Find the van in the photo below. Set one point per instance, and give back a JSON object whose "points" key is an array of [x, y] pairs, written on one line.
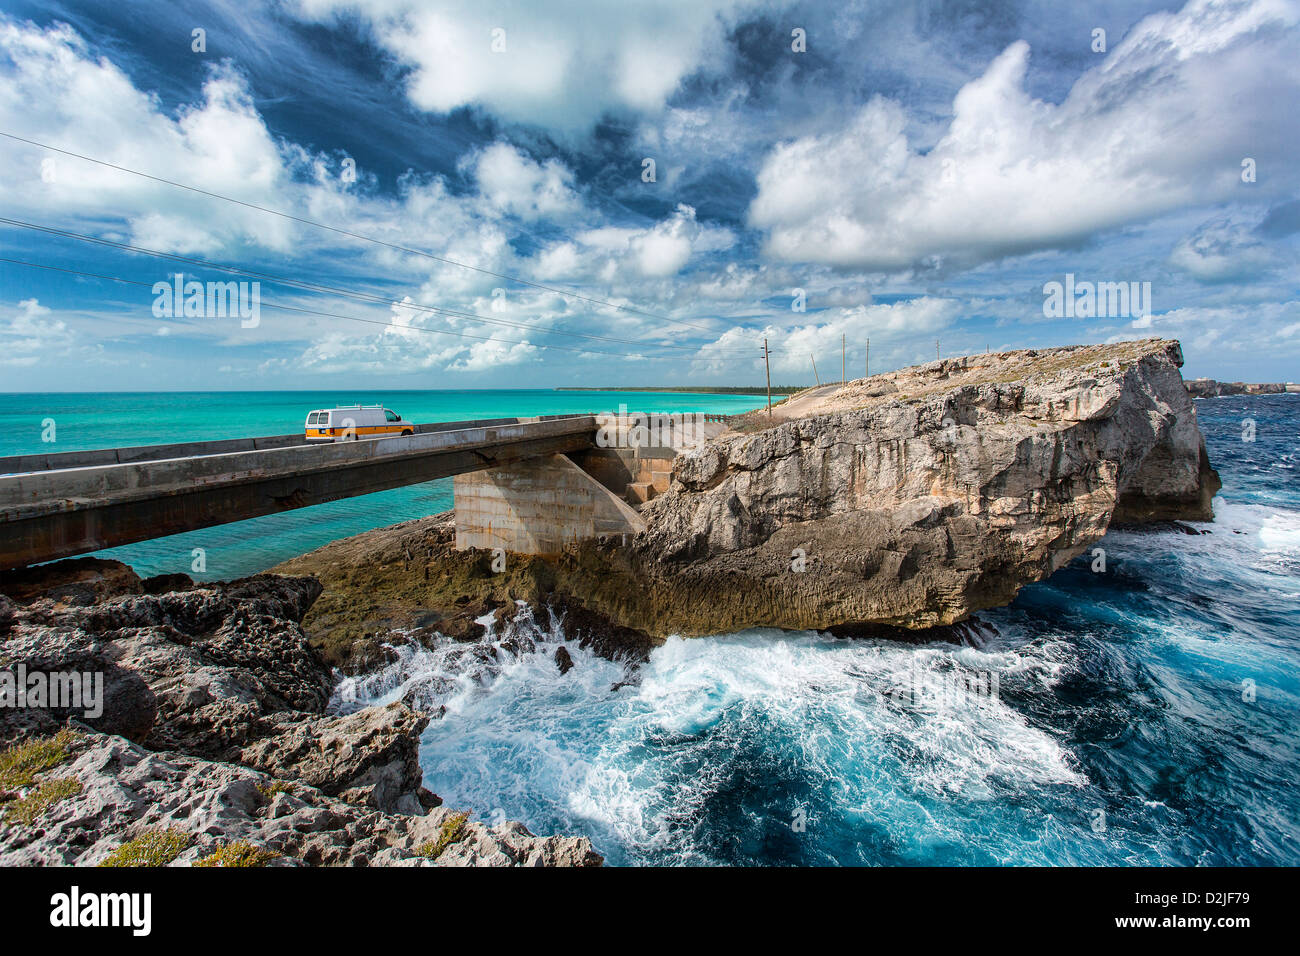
{"points": [[352, 422]]}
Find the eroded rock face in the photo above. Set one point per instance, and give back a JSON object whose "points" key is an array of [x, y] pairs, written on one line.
{"points": [[907, 500], [372, 756], [213, 721], [1209, 388], [127, 789], [196, 670], [916, 498]]}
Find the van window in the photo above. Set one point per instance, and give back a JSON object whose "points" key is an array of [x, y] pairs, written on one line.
{"points": [[391, 415]]}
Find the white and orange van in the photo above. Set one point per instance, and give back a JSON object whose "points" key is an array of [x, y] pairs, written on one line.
{"points": [[353, 422]]}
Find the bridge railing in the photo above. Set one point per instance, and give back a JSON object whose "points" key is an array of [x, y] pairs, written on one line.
{"points": [[51, 461], [71, 489]]}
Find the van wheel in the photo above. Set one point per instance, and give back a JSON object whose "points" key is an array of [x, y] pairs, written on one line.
{"points": [[407, 431]]}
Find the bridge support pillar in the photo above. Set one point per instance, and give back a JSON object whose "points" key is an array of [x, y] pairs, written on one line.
{"points": [[539, 506]]}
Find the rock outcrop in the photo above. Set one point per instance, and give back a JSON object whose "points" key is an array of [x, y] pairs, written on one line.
{"points": [[906, 500], [127, 791], [916, 498], [208, 694], [1209, 388]]}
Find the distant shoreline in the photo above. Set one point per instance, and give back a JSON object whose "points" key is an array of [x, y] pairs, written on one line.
{"points": [[696, 390]]}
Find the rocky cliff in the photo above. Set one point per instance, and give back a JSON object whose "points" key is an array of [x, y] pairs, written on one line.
{"points": [[1209, 388], [916, 498], [211, 732], [906, 500]]}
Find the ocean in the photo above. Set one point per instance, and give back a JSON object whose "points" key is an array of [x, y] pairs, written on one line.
{"points": [[1146, 714], [119, 419]]}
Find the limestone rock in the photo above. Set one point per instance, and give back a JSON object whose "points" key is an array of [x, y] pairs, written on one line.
{"points": [[213, 723], [195, 670], [126, 789], [911, 499], [374, 750]]}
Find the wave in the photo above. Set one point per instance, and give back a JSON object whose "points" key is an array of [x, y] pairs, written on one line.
{"points": [[1144, 715]]}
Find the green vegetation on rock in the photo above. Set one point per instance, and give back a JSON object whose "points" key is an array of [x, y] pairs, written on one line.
{"points": [[20, 763], [269, 790], [453, 831], [46, 795], [240, 853], [156, 847]]}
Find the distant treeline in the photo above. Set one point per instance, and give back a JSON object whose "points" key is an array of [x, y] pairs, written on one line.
{"points": [[702, 389]]}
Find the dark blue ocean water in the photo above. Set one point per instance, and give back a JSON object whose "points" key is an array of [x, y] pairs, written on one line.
{"points": [[1144, 715]]}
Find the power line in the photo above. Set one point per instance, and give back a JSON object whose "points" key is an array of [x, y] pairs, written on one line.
{"points": [[329, 290], [355, 235], [332, 315]]}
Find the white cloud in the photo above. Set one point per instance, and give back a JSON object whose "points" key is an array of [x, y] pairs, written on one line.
{"points": [[1258, 330], [895, 329], [54, 91], [1221, 251], [30, 335], [1162, 122], [563, 64], [513, 182], [663, 249]]}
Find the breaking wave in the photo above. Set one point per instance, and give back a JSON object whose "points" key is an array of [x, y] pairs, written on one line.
{"points": [[1141, 716]]}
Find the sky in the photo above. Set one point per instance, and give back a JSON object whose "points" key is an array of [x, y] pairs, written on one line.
{"points": [[489, 194]]}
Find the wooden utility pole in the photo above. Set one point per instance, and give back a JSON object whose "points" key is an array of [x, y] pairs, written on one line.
{"points": [[844, 369], [815, 375], [868, 368], [767, 366]]}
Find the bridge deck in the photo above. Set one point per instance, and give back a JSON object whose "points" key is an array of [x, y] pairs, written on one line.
{"points": [[58, 505]]}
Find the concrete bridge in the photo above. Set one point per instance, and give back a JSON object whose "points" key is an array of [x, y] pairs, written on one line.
{"points": [[531, 485]]}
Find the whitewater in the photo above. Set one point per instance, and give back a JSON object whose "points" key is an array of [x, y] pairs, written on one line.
{"points": [[1143, 715]]}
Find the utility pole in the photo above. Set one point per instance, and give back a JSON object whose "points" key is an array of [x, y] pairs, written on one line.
{"points": [[815, 375], [868, 368], [767, 366], [844, 369]]}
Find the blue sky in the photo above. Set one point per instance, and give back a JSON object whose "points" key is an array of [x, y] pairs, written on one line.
{"points": [[921, 171]]}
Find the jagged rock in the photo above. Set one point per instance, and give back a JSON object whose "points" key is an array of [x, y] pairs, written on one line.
{"points": [[1209, 388], [218, 687], [195, 671], [978, 476], [126, 789], [563, 660], [598, 633], [127, 704], [79, 581], [375, 750], [511, 844], [464, 625], [8, 615], [166, 583]]}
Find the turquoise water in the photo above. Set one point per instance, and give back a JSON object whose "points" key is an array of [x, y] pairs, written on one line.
{"points": [[114, 419]]}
